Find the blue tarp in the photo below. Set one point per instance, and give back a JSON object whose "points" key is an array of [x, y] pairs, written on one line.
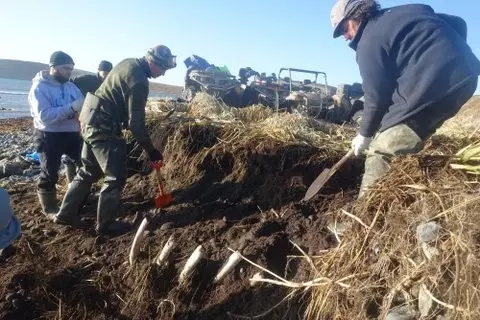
{"points": [[195, 62]]}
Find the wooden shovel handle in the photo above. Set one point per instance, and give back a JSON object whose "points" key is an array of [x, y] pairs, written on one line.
{"points": [[340, 163]]}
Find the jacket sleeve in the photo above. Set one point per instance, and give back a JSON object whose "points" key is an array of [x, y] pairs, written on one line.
{"points": [[376, 71], [42, 109], [457, 23], [136, 102]]}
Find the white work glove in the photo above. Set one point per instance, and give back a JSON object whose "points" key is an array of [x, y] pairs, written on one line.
{"points": [[360, 143], [77, 105]]}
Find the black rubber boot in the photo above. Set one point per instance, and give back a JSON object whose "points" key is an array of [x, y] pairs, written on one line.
{"points": [[72, 202], [107, 212], [114, 228]]}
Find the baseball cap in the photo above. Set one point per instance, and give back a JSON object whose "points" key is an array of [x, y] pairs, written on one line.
{"points": [[340, 12]]}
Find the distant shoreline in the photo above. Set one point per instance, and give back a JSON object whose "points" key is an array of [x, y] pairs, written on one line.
{"points": [[26, 70]]}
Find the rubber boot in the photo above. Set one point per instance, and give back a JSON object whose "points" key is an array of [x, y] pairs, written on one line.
{"points": [[72, 202], [48, 201], [70, 171], [107, 212]]}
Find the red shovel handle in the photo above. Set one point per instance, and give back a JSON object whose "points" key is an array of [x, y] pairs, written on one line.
{"points": [[157, 164]]}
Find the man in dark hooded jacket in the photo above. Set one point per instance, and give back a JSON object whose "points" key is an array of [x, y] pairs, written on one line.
{"points": [[417, 71], [86, 83], [91, 82], [118, 103]]}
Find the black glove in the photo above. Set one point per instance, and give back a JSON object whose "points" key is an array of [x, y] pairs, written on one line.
{"points": [[155, 155]]}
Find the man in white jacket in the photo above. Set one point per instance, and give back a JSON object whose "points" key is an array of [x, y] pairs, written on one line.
{"points": [[54, 105]]}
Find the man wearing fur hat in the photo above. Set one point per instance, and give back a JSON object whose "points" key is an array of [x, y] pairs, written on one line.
{"points": [[54, 105], [118, 103], [417, 71]]}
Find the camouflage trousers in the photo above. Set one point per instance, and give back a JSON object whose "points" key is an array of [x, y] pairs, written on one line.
{"points": [[395, 141]]}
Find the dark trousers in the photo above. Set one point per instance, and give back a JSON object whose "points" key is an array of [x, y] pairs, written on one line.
{"points": [[50, 147]]}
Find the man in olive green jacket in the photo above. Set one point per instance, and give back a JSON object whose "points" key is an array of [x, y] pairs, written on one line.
{"points": [[117, 104]]}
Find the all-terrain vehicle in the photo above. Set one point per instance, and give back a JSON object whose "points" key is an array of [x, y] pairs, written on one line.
{"points": [[309, 92], [263, 90], [313, 96], [348, 104], [216, 81]]}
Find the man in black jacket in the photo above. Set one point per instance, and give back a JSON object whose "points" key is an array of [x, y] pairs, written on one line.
{"points": [[90, 82], [118, 103], [417, 72], [86, 83]]}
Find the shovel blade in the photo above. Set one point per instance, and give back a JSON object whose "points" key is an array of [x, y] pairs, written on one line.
{"points": [[326, 174], [317, 184], [163, 200]]}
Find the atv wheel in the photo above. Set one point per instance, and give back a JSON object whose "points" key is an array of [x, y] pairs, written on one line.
{"points": [[188, 94]]}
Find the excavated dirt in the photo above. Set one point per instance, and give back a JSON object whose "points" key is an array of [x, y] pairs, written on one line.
{"points": [[57, 272]]}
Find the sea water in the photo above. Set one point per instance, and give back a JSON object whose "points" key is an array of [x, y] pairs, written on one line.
{"points": [[14, 98]]}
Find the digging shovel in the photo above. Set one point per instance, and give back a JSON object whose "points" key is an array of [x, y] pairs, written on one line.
{"points": [[323, 177], [163, 199]]}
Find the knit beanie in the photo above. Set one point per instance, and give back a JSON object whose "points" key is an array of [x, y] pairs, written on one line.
{"points": [[105, 66], [59, 57]]}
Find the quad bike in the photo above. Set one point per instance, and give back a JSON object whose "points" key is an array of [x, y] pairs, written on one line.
{"points": [[308, 97], [348, 104], [343, 104], [216, 81], [263, 90]]}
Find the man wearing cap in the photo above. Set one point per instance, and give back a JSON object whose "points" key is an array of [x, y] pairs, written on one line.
{"points": [[89, 82], [118, 103], [54, 104], [9, 224], [417, 71]]}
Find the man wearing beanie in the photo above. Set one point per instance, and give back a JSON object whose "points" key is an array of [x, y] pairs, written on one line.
{"points": [[118, 103], [89, 82], [86, 83], [417, 71], [54, 105]]}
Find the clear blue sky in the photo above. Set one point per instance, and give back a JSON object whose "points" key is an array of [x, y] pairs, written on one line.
{"points": [[262, 34]]}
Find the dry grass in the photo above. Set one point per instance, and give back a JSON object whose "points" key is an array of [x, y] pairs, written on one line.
{"points": [[380, 251], [466, 122], [209, 130], [383, 256], [378, 263]]}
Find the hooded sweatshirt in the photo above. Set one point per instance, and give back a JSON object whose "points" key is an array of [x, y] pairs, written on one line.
{"points": [[50, 104]]}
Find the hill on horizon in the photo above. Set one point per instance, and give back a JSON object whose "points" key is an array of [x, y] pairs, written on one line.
{"points": [[26, 70]]}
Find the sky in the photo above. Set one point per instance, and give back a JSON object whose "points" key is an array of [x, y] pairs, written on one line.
{"points": [[262, 34]]}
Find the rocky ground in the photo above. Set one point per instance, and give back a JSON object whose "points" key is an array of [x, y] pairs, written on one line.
{"points": [[16, 141]]}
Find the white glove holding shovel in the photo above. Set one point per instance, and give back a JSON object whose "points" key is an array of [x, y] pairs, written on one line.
{"points": [[360, 144]]}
